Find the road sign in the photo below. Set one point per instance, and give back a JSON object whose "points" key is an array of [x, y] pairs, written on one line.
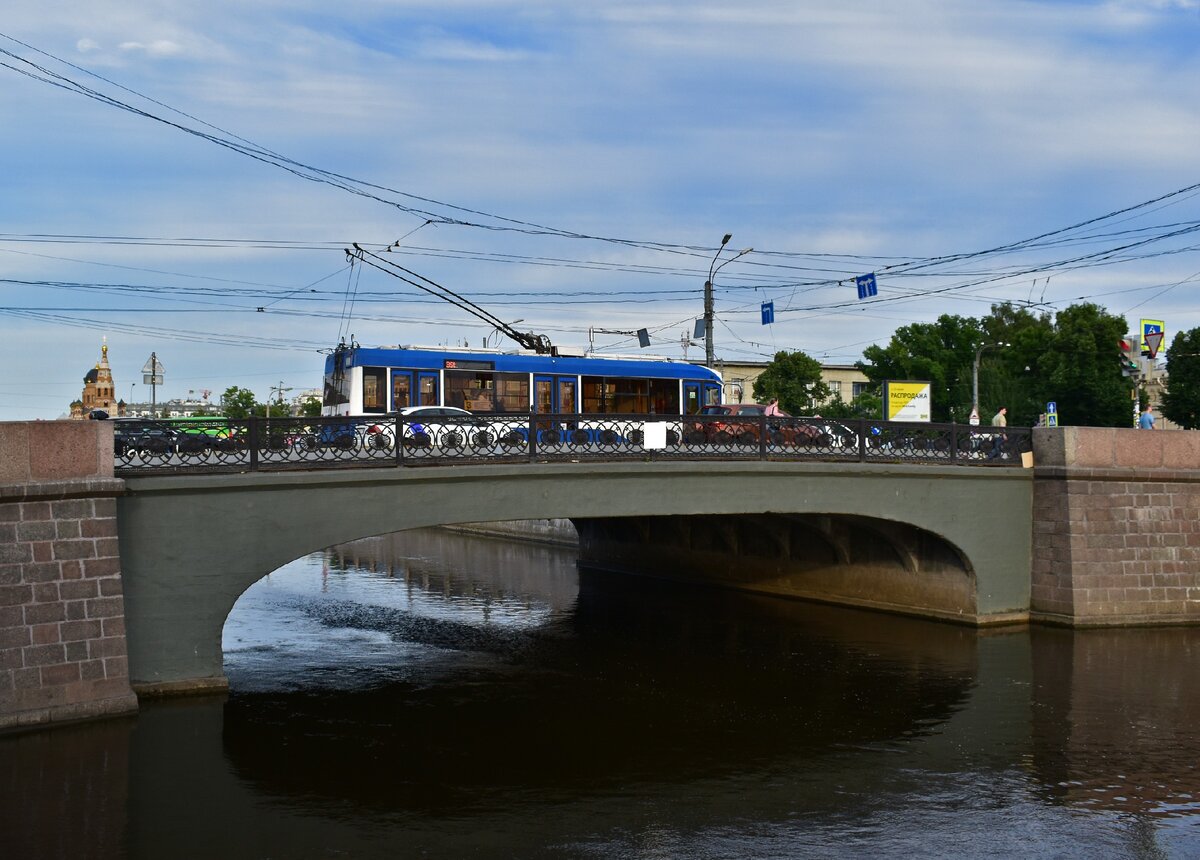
{"points": [[152, 379], [153, 365], [1051, 408], [768, 313], [973, 420], [1154, 341], [866, 286], [1150, 327]]}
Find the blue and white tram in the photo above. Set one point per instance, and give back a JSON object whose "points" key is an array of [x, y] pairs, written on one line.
{"points": [[362, 381]]}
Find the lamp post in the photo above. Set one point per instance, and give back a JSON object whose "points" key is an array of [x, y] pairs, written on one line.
{"points": [[713, 268], [975, 375]]}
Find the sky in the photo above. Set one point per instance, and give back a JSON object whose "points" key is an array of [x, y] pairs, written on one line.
{"points": [[185, 179]]}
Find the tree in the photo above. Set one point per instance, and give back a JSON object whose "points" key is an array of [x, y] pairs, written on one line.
{"points": [[794, 380], [310, 407], [940, 352], [239, 403], [1081, 368], [1181, 402]]}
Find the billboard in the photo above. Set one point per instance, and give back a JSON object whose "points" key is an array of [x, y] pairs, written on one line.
{"points": [[906, 401]]}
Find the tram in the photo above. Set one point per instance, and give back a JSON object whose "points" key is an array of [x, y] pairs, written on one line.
{"points": [[361, 381]]}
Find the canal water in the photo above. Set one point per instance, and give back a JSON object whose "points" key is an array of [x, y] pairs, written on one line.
{"points": [[437, 695]]}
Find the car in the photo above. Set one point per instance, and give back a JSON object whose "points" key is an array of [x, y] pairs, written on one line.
{"points": [[446, 427], [133, 436], [742, 424]]}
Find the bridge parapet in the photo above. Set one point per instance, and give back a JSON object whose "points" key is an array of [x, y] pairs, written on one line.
{"points": [[62, 620], [1116, 526]]}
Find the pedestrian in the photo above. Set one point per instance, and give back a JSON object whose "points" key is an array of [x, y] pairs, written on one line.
{"points": [[1146, 419], [999, 420], [774, 410]]}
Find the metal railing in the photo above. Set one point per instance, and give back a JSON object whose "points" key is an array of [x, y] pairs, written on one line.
{"points": [[225, 445]]}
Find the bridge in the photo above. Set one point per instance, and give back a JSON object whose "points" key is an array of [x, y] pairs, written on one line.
{"points": [[120, 581]]}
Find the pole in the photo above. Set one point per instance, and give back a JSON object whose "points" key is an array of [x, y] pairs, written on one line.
{"points": [[153, 383], [708, 303], [975, 376]]}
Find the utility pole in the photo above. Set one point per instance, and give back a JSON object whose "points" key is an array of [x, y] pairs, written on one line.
{"points": [[278, 390], [713, 268]]}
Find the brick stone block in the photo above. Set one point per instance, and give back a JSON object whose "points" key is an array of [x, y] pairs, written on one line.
{"points": [[110, 586], [44, 655], [77, 652], [91, 670], [105, 607], [67, 529], [41, 613], [74, 631], [65, 673], [43, 634], [113, 646], [117, 669], [15, 553], [99, 528], [49, 571], [74, 549], [75, 609], [10, 574], [15, 637], [113, 626], [71, 569], [15, 595], [79, 589], [108, 566], [31, 511], [45, 592], [72, 509], [12, 658]]}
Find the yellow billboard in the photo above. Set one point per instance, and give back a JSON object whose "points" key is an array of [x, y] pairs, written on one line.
{"points": [[907, 401]]}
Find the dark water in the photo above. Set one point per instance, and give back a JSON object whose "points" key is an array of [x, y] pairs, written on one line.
{"points": [[432, 695]]}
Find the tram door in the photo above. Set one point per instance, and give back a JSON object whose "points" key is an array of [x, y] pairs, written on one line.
{"points": [[553, 395], [691, 398], [414, 388]]}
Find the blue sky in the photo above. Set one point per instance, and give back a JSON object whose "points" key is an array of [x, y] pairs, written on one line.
{"points": [[833, 138]]}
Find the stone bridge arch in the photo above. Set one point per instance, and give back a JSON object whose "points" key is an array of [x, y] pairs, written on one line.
{"points": [[191, 544]]}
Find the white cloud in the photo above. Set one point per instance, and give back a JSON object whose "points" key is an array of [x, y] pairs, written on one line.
{"points": [[157, 48], [85, 46]]}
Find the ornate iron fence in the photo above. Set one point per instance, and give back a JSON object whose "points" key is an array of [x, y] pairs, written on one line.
{"points": [[142, 446]]}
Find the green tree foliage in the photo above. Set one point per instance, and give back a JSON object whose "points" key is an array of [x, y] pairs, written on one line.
{"points": [[1070, 359], [868, 404], [1081, 368], [940, 352], [1181, 402], [310, 407], [240, 403], [794, 380]]}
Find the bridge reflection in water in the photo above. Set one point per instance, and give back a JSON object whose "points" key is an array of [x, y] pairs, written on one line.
{"points": [[433, 694]]}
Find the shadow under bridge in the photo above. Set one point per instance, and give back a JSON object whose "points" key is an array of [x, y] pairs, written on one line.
{"points": [[948, 542]]}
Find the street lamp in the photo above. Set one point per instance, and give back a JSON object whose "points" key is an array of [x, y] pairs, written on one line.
{"points": [[713, 268], [975, 376]]}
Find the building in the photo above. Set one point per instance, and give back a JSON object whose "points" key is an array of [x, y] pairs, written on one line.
{"points": [[844, 380], [99, 391]]}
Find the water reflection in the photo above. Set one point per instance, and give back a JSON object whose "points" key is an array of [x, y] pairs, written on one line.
{"points": [[437, 695]]}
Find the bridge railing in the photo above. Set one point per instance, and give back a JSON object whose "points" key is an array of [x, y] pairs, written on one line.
{"points": [[142, 446]]}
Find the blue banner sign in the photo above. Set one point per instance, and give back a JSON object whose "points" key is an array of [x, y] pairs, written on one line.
{"points": [[768, 313], [866, 286]]}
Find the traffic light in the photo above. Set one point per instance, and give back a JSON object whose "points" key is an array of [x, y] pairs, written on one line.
{"points": [[1128, 348]]}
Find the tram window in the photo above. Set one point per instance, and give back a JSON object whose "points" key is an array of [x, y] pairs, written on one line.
{"points": [[483, 391], [629, 396], [374, 389], [664, 396], [401, 390]]}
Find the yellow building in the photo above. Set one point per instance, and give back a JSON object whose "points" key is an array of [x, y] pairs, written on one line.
{"points": [[845, 380]]}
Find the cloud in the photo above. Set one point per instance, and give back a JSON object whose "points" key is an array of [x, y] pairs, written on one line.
{"points": [[85, 46], [157, 48]]}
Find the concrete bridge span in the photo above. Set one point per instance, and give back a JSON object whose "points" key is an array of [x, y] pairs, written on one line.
{"points": [[947, 541]]}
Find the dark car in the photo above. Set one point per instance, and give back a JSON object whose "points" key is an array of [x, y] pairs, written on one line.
{"points": [[132, 436]]}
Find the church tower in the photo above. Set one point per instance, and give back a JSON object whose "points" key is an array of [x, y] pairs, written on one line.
{"points": [[98, 388]]}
